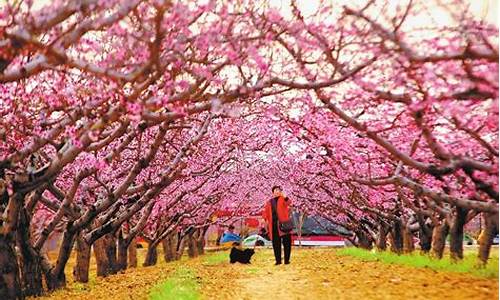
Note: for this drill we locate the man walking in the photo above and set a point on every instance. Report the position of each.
(277, 215)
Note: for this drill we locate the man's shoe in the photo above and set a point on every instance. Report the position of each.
(287, 262)
(277, 263)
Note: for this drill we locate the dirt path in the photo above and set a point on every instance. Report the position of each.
(313, 274)
(321, 274)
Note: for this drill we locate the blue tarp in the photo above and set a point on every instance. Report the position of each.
(230, 237)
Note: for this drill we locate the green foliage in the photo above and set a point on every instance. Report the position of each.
(216, 258)
(468, 265)
(182, 285)
(252, 270)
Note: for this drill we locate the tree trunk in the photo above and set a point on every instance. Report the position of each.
(457, 234)
(486, 237)
(200, 245)
(192, 248)
(364, 240)
(408, 244)
(122, 253)
(30, 260)
(299, 227)
(31, 273)
(111, 252)
(151, 255)
(396, 235)
(10, 287)
(181, 245)
(57, 279)
(105, 254)
(81, 269)
(170, 247)
(439, 234)
(132, 254)
(381, 242)
(101, 258)
(425, 235)
(200, 241)
(219, 236)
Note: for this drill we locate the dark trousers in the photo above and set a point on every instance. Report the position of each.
(277, 240)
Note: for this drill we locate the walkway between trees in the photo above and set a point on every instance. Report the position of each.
(313, 274)
(322, 274)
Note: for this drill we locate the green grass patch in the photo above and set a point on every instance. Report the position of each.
(252, 270)
(216, 258)
(468, 265)
(181, 285)
(85, 287)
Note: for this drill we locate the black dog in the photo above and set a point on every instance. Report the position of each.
(241, 256)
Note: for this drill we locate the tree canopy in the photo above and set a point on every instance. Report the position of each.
(125, 118)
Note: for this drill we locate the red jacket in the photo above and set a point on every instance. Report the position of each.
(282, 208)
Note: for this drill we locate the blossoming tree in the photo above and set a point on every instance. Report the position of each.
(143, 117)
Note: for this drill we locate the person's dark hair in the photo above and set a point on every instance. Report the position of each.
(276, 187)
(231, 227)
(236, 244)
